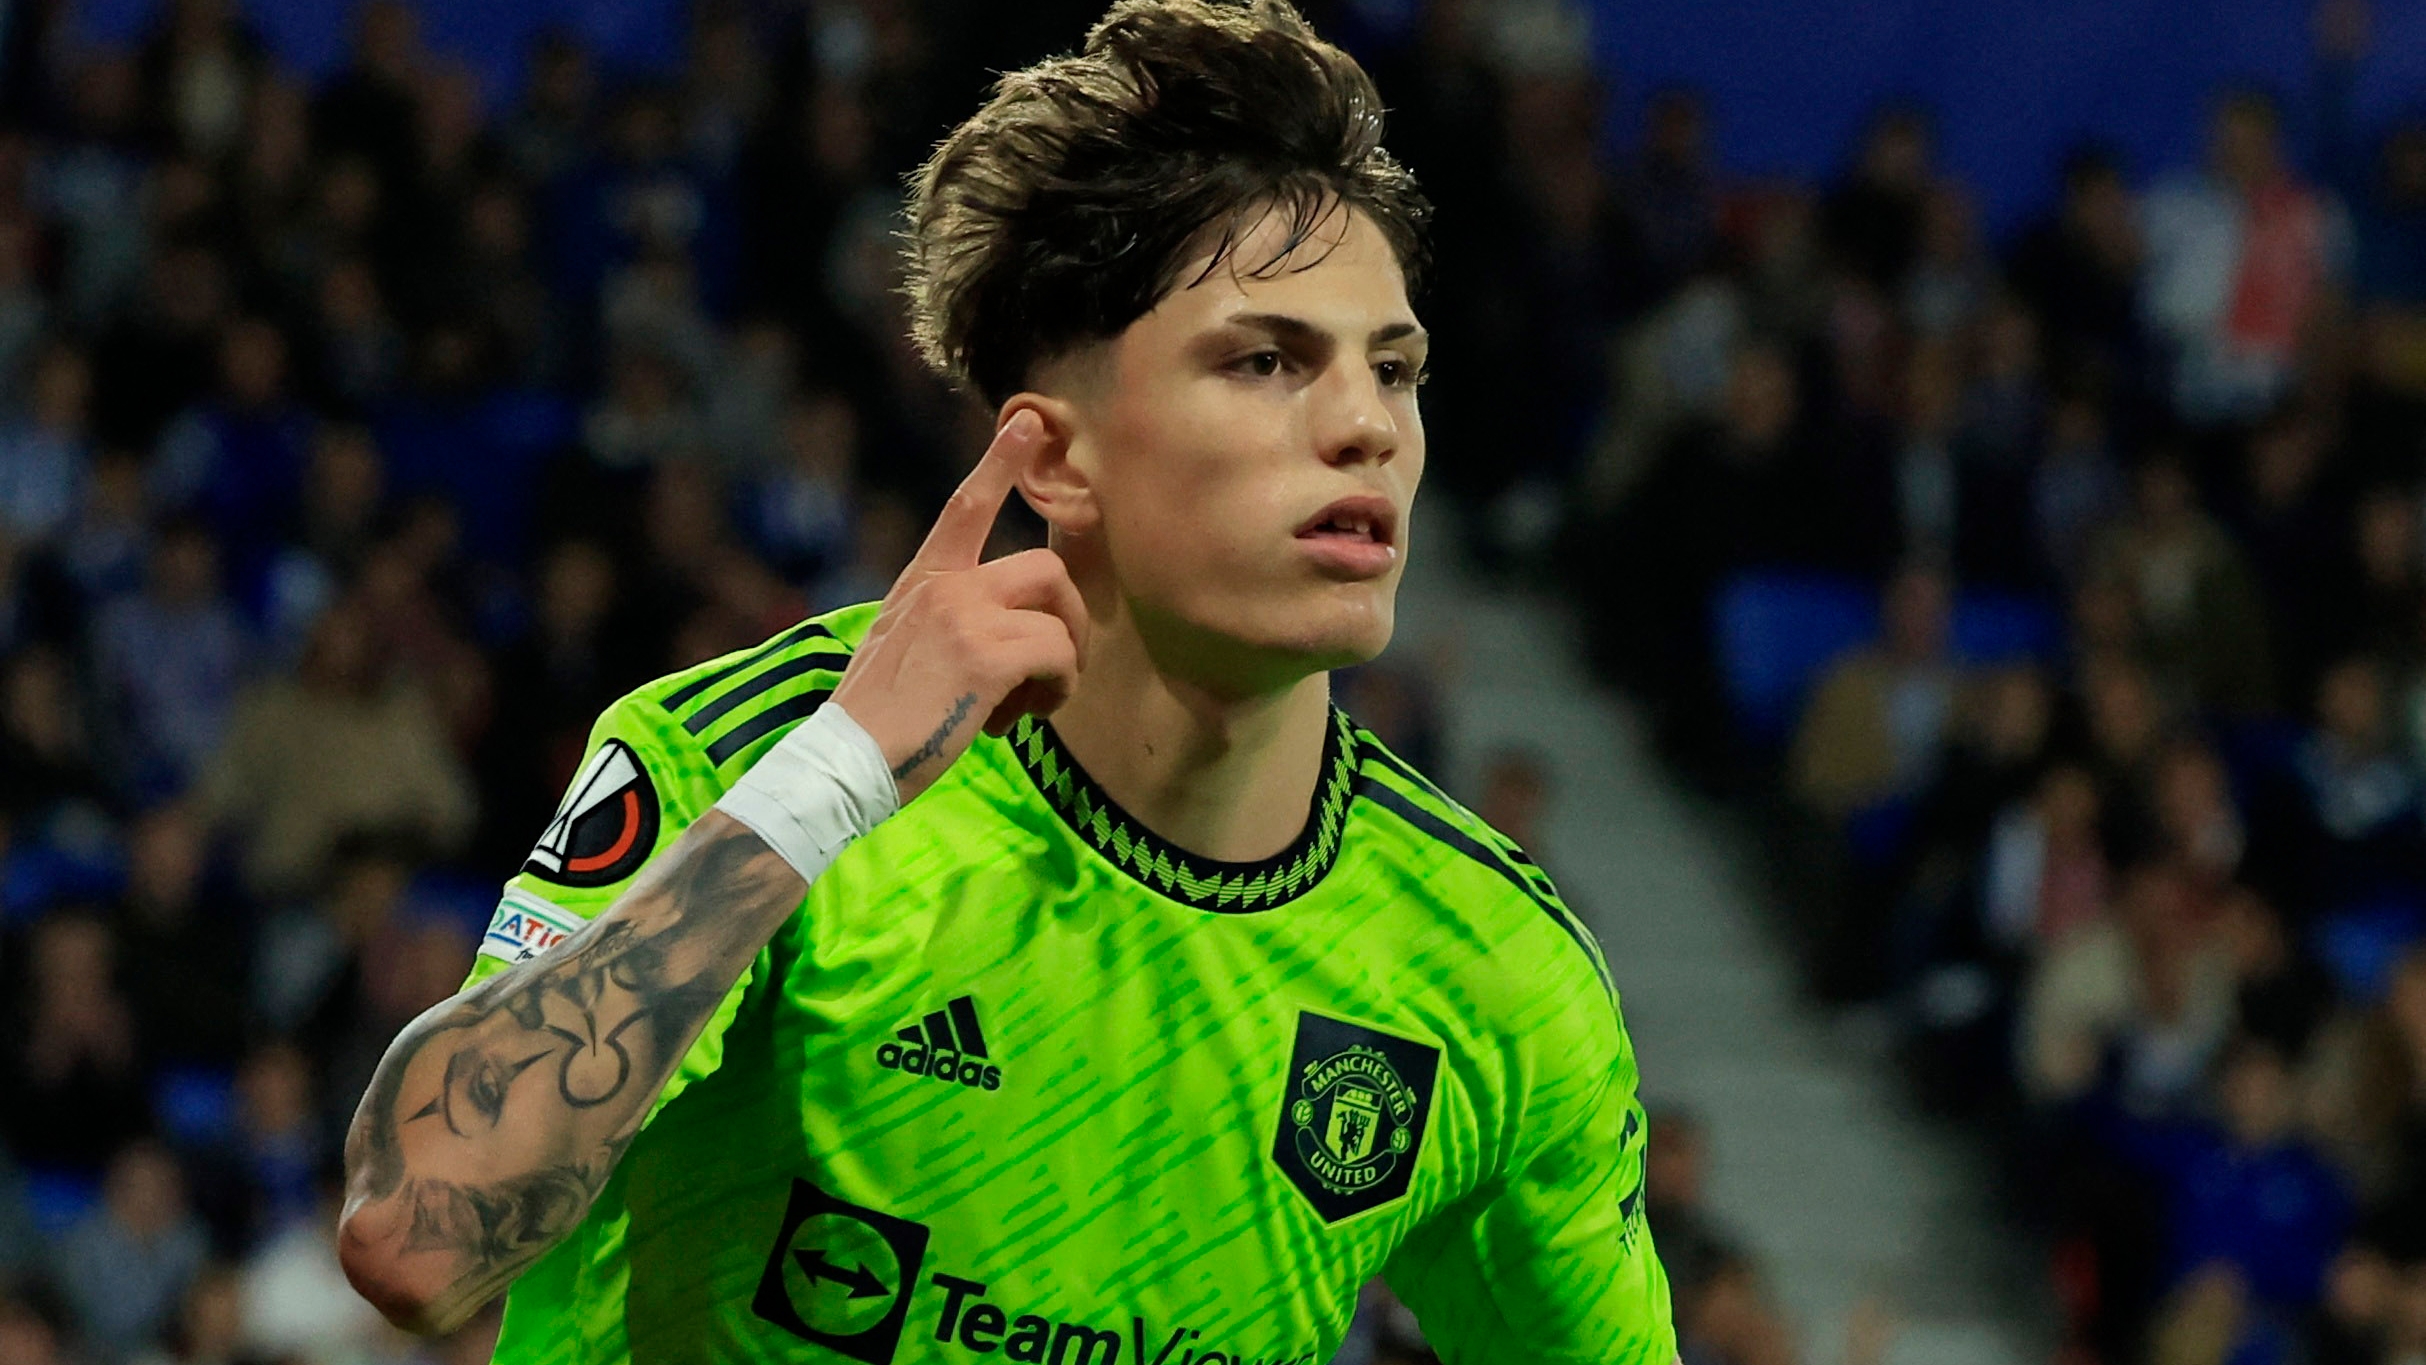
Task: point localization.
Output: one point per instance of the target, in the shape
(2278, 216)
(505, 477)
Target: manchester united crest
(1353, 1116)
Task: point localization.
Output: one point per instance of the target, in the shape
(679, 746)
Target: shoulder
(1463, 869)
(729, 709)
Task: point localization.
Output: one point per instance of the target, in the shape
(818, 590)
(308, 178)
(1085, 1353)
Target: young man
(850, 1010)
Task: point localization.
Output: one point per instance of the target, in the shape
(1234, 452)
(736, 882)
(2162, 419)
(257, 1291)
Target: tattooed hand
(496, 1117)
(958, 641)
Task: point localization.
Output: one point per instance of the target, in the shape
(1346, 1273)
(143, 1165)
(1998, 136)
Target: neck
(1225, 778)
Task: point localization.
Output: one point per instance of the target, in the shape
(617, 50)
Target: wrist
(820, 788)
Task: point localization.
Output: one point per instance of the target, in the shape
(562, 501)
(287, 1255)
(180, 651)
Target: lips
(1364, 518)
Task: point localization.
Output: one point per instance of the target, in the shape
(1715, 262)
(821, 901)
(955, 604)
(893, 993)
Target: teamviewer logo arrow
(861, 1284)
(841, 1275)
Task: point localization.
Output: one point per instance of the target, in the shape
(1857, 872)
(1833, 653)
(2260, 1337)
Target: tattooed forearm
(933, 748)
(460, 1171)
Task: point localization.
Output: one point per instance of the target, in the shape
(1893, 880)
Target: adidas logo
(945, 1046)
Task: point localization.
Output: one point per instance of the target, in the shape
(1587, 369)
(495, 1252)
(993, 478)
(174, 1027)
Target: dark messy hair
(1069, 205)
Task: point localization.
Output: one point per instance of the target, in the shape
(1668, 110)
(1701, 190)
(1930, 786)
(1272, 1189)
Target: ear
(1056, 482)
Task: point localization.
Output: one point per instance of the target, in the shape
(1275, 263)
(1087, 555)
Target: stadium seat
(58, 1200)
(1777, 632)
(38, 875)
(2361, 945)
(195, 1106)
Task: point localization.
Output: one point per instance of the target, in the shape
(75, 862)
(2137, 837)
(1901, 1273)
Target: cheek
(1198, 528)
(1204, 495)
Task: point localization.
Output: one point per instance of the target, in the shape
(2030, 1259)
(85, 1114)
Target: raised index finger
(960, 530)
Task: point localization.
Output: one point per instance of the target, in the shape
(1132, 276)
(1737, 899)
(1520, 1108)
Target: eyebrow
(1294, 328)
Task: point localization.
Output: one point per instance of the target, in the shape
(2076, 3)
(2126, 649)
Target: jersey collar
(1162, 866)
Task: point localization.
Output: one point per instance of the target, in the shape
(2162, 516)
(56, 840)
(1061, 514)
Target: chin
(1262, 642)
(1336, 626)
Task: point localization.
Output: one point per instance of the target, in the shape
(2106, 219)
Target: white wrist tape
(821, 786)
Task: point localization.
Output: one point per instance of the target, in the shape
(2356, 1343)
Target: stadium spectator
(1873, 221)
(43, 451)
(168, 661)
(264, 1176)
(1879, 722)
(237, 460)
(125, 1267)
(1672, 193)
(357, 351)
(209, 1327)
(2240, 258)
(2194, 821)
(344, 492)
(800, 511)
(2141, 999)
(181, 943)
(1512, 796)
(2248, 1193)
(2371, 1088)
(47, 764)
(89, 184)
(101, 554)
(1719, 494)
(29, 1335)
(25, 311)
(307, 973)
(72, 1070)
(344, 746)
(2359, 795)
(2046, 875)
(1692, 1244)
(2288, 518)
(20, 1241)
(2078, 270)
(159, 356)
(2286, 997)
(296, 1303)
(2194, 600)
(571, 662)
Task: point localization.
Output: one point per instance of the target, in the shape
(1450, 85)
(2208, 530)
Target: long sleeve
(1552, 1263)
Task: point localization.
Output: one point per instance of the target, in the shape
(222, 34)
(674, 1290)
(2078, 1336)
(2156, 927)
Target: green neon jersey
(1022, 1078)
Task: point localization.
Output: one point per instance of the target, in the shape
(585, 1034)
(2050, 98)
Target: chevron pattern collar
(1204, 883)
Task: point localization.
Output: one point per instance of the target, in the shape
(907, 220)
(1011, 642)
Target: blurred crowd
(2142, 888)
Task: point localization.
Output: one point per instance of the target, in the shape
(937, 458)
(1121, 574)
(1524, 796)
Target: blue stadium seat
(38, 875)
(195, 1106)
(1998, 628)
(2360, 946)
(1777, 632)
(58, 1200)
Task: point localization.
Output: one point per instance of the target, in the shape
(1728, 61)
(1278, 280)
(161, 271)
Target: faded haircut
(1074, 200)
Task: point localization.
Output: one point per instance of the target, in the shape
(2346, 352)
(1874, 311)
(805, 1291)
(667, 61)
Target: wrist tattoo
(935, 742)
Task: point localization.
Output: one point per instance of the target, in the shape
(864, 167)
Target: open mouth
(1363, 519)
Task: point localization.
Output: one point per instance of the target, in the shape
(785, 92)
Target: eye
(1398, 374)
(1261, 364)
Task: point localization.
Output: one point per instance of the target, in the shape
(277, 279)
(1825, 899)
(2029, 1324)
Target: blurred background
(1924, 539)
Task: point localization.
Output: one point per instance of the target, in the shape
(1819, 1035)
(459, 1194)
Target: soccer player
(850, 1009)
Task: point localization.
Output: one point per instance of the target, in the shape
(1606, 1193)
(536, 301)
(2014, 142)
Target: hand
(957, 644)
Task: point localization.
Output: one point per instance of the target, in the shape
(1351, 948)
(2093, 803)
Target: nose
(1354, 423)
